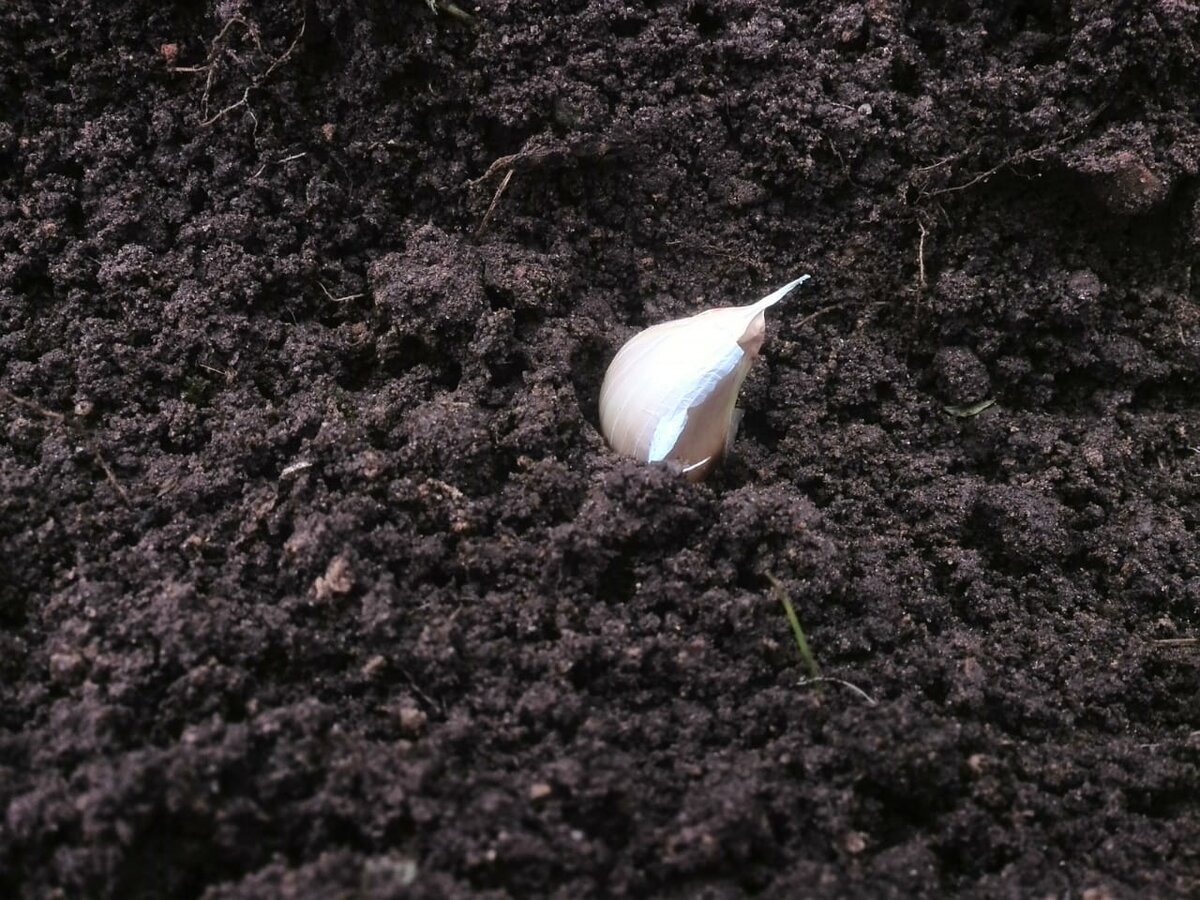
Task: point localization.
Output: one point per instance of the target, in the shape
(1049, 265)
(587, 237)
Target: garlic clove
(670, 393)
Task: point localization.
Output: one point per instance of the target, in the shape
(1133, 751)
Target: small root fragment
(211, 68)
(921, 283)
(343, 299)
(849, 685)
(539, 151)
(487, 216)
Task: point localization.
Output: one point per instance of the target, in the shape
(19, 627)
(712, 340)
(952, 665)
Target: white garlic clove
(669, 395)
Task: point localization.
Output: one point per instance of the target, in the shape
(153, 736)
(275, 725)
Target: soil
(317, 578)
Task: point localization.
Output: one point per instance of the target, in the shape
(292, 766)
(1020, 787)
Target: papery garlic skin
(669, 394)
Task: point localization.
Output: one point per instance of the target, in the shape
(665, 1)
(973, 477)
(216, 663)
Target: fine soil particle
(317, 579)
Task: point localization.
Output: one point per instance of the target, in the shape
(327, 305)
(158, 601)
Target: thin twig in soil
(589, 148)
(487, 216)
(841, 159)
(922, 283)
(333, 299)
(227, 374)
(279, 162)
(61, 419)
(921, 257)
(500, 163)
(941, 162)
(32, 407)
(433, 704)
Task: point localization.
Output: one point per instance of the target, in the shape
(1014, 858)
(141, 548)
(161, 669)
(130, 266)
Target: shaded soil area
(317, 579)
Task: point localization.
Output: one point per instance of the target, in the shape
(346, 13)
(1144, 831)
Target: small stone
(412, 720)
(170, 52)
(855, 842)
(374, 667)
(1126, 185)
(84, 408)
(295, 468)
(387, 875)
(540, 791)
(338, 579)
(328, 132)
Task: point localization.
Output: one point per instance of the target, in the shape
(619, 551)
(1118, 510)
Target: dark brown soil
(317, 580)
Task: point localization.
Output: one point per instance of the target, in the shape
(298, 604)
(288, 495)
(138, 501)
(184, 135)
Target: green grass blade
(797, 632)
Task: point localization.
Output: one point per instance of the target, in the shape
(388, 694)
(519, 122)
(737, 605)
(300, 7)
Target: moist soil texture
(317, 578)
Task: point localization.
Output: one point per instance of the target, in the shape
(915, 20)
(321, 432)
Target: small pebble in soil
(412, 720)
(1125, 184)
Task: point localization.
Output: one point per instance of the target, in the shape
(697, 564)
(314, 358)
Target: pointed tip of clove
(775, 296)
